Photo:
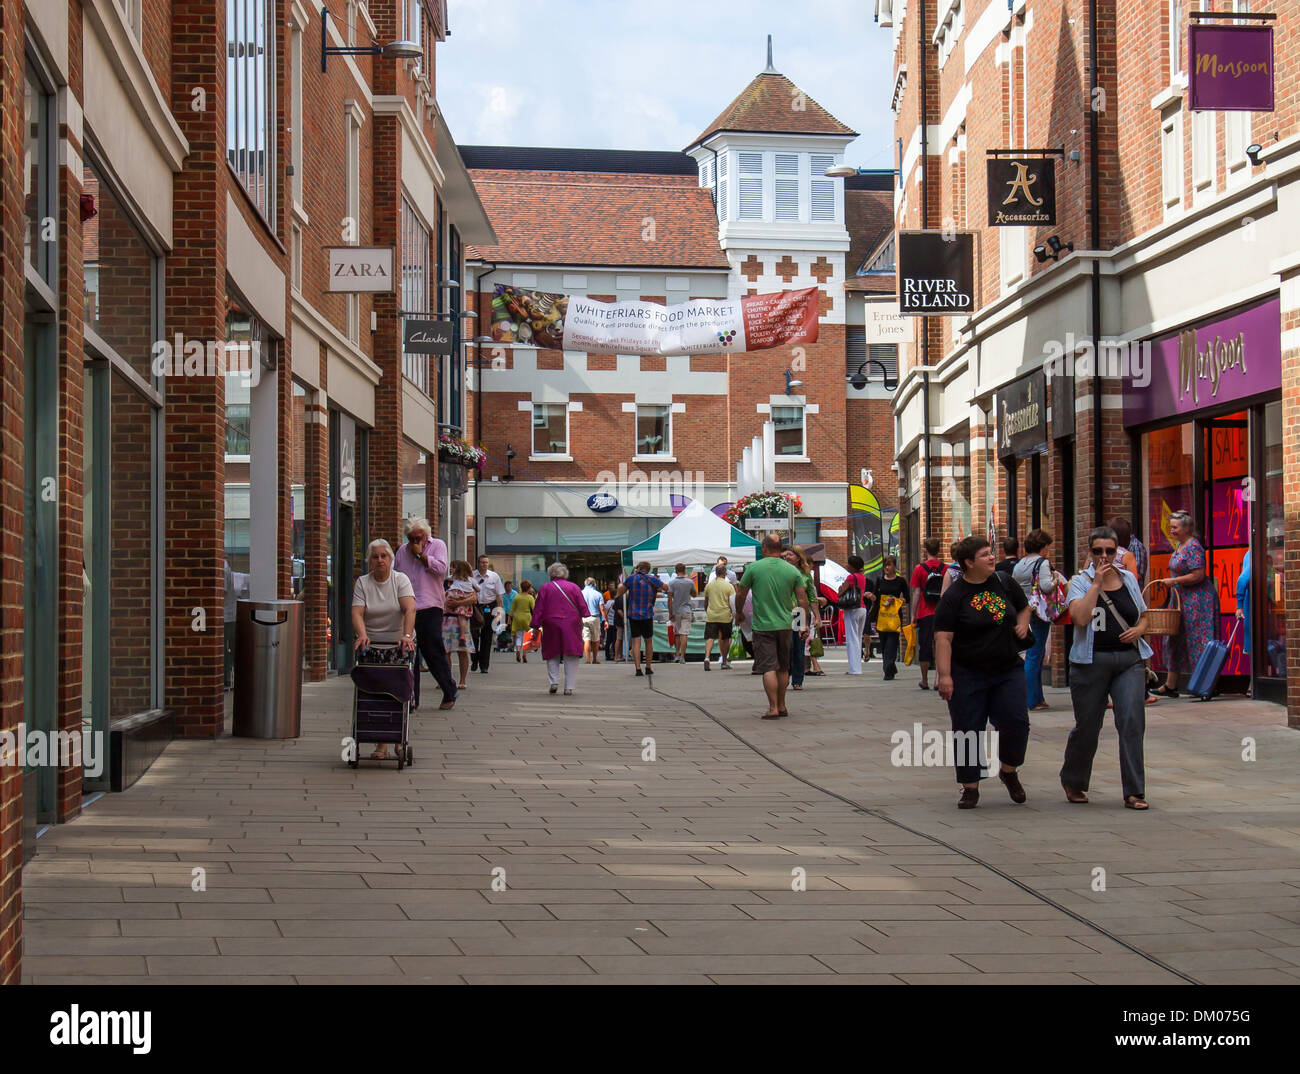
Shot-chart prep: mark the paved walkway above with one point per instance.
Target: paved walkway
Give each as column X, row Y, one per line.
column 682, row 868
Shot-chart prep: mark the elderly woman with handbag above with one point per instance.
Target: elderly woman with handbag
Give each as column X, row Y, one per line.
column 1106, row 660
column 559, row 611
column 1198, row 599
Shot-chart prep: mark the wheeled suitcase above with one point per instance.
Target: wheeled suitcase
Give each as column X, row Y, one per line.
column 1209, row 667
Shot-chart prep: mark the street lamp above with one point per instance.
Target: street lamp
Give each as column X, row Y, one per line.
column 791, row 383
column 859, row 379
column 394, row 50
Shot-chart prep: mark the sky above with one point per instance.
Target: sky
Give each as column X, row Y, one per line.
column 622, row 74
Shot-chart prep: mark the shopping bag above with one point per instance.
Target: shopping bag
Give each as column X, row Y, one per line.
column 737, row 650
column 909, row 644
column 816, row 648
column 887, row 618
column 532, row 640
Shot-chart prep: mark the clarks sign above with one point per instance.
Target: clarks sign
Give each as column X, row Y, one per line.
column 361, row 268
column 427, row 337
column 936, row 273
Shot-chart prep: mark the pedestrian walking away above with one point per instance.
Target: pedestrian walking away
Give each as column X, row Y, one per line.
column 593, row 616
column 801, row 631
column 889, row 605
column 521, row 618
column 1010, row 549
column 1199, row 599
column 927, row 588
column 559, row 612
column 1037, row 579
column 1106, row 660
column 490, row 591
column 776, row 587
column 681, row 610
column 641, row 588
column 852, row 599
column 719, row 613
column 383, row 612
column 457, row 623
column 976, row 627
column 504, row 637
column 423, row 559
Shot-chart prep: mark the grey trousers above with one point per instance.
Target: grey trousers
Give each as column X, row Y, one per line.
column 1121, row 677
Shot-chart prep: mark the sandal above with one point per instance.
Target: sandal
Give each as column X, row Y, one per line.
column 1165, row 691
column 1075, row 797
column 783, row 714
column 379, row 754
column 1136, row 801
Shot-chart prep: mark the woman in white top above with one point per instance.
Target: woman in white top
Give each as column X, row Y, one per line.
column 383, row 614
column 1035, row 569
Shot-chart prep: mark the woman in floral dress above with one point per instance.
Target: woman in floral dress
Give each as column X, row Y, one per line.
column 1200, row 603
column 457, row 633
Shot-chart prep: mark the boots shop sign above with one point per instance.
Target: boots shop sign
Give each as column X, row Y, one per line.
column 936, row 273
column 361, row 268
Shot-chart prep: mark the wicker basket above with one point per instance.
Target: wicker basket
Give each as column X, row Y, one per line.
column 1164, row 622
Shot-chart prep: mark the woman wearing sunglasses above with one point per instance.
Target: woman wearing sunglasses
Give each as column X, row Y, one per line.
column 1106, row 658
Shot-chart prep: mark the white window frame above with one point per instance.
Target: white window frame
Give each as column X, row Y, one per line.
column 131, row 15
column 747, row 177
column 352, row 202
column 295, row 112
column 656, row 456
column 1171, row 160
column 803, row 432
column 1205, row 134
column 534, row 455
column 1174, row 10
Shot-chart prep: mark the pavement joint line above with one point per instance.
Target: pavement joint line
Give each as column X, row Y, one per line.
column 859, row 807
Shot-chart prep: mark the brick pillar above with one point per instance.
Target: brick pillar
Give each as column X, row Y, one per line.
column 71, row 464
column 1290, row 292
column 316, row 468
column 11, row 479
column 196, row 406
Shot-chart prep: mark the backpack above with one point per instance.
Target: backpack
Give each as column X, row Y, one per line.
column 934, row 584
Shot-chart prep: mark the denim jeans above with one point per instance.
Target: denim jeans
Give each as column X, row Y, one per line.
column 980, row 698
column 1034, row 661
column 796, row 659
column 1122, row 677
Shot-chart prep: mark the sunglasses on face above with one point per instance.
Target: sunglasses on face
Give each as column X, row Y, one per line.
column 1104, row 551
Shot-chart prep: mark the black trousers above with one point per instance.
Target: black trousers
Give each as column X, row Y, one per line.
column 980, row 698
column 611, row 636
column 428, row 639
column 889, row 652
column 482, row 657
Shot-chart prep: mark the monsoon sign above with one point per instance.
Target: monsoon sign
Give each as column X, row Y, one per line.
column 701, row 326
column 1231, row 68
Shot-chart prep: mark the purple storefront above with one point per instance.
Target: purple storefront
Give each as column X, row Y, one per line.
column 1207, row 438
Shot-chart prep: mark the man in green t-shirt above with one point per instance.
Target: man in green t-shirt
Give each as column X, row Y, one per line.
column 777, row 586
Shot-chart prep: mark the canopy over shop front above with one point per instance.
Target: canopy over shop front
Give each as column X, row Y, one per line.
column 696, row 536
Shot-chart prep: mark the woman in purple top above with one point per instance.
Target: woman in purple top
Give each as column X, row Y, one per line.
column 558, row 611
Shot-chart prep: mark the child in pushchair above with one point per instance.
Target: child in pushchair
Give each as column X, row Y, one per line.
column 384, row 689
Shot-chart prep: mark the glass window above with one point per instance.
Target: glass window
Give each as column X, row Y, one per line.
column 550, row 428
column 789, row 430
column 296, row 467
column 1273, row 661
column 654, row 430
column 415, row 470
column 119, row 276
column 250, row 99
column 456, row 363
column 37, row 241
column 415, row 288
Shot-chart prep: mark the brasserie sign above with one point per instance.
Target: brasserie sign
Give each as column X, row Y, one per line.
column 1022, row 416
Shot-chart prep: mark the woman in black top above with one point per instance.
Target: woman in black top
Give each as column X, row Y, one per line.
column 889, row 584
column 976, row 628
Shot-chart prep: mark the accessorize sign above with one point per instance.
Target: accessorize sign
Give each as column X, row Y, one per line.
column 1219, row 361
column 1022, row 416
column 427, row 337
column 701, row 326
column 361, row 268
column 1021, row 191
column 936, row 273
column 1230, row 68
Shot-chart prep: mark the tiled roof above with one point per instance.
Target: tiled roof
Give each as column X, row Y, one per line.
column 882, row 284
column 542, row 159
column 766, row 106
column 590, row 218
column 869, row 217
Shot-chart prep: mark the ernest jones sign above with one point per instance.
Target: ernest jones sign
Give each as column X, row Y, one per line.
column 1234, row 357
column 936, row 273
column 1230, row 68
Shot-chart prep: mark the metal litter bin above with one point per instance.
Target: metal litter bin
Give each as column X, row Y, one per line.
column 268, row 668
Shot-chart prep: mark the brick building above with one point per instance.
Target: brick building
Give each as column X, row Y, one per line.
column 745, row 209
column 191, row 415
column 1186, row 240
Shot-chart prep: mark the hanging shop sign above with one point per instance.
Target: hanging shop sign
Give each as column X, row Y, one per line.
column 361, row 268
column 1022, row 416
column 1021, row 191
column 1218, row 361
column 428, row 337
column 936, row 273
column 701, row 326
column 884, row 324
column 1230, row 68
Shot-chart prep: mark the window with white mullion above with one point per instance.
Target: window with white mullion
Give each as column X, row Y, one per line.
column 822, row 195
column 751, row 186
column 787, row 186
column 1204, row 140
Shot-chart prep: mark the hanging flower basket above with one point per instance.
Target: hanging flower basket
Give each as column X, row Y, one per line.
column 460, row 452
column 763, row 505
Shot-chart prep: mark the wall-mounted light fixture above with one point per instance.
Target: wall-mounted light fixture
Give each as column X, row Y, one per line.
column 394, row 50
column 1053, row 250
column 859, row 380
column 510, row 457
column 790, row 383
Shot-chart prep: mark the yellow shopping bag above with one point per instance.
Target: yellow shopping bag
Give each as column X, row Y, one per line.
column 909, row 644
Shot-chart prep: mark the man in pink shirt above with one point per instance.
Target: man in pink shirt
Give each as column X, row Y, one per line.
column 423, row 559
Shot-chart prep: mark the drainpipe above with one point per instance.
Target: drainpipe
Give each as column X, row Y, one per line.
column 1094, row 182
column 925, row 222
column 713, row 189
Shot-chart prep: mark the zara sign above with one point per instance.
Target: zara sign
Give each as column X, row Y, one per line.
column 361, row 268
